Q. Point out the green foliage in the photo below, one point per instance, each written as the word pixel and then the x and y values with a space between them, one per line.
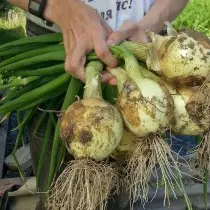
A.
pixel 4 6
pixel 195 16
pixel 11 34
pixel 12 27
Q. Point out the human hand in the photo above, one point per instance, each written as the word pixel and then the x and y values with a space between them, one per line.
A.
pixel 130 30
pixel 83 30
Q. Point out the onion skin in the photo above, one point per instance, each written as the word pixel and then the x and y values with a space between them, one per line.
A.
pixel 125 147
pixel 145 105
pixel 91 128
pixel 191 114
pixel 142 111
pixel 190 117
pixel 183 58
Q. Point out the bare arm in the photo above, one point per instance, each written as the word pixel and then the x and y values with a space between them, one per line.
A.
pixel 23 4
pixel 161 11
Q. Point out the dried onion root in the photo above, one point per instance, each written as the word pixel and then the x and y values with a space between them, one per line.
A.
pixel 203 154
pixel 84 185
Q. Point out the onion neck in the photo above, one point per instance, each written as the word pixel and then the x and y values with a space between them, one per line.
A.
pixel 139 50
pixel 132 67
pixel 150 75
pixel 121 77
pixel 93 80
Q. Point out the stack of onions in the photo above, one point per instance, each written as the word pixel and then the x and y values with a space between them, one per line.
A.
pixel 91 129
pixel 147 109
pixel 183 59
pixel 191 113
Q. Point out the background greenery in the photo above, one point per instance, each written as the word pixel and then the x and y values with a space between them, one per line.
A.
pixel 196 16
pixel 4 6
pixel 12 23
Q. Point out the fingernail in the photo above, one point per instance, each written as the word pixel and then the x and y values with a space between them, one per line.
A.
pixel 110 42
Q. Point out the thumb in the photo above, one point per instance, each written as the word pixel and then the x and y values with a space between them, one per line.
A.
pixel 128 29
pixel 117 37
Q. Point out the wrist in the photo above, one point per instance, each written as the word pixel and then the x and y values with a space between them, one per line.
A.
pixel 51 12
pixel 151 24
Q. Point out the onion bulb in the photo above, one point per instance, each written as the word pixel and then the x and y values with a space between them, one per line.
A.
pixel 191 107
pixel 182 57
pixel 145 104
pixel 146 107
pixel 125 146
pixel 91 129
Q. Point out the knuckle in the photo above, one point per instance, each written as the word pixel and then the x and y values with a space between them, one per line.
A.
pixel 81 38
pixel 73 67
pixel 113 64
pixel 101 52
pixel 70 67
pixel 97 28
pixel 115 36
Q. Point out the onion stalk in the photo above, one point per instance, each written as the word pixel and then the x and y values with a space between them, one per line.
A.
pixel 91 129
pixel 151 155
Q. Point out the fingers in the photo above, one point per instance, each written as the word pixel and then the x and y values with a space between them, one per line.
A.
pixel 107 77
pixel 106 27
pixel 76 62
pixel 125 32
pixel 102 49
pixel 113 81
pixel 77 45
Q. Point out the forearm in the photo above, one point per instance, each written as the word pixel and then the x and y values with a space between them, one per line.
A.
pixel 161 11
pixel 23 4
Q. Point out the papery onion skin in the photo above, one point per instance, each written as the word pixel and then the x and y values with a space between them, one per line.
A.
pixel 183 58
pixel 91 128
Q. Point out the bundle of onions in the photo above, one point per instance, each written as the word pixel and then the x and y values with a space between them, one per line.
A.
pixel 182 57
pixel 146 107
pixel 91 129
pixel 191 115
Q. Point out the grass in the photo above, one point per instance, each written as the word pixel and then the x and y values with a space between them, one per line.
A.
pixel 195 16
